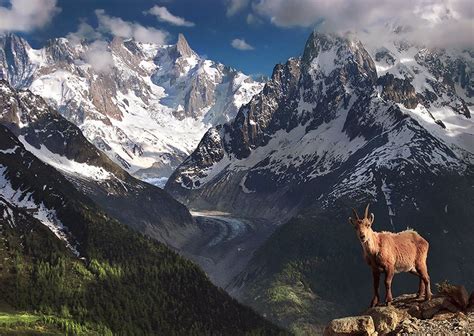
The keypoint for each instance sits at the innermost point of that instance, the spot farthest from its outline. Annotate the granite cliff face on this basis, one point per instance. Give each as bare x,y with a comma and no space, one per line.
146,106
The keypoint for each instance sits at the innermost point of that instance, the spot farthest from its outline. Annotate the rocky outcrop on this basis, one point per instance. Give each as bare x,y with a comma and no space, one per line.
398,90
449,312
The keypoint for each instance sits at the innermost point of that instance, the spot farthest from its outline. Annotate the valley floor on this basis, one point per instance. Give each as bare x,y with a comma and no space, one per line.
226,244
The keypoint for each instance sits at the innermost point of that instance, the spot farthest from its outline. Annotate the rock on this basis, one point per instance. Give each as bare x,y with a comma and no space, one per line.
443,315
438,316
431,307
461,297
471,302
357,325
387,318
448,305
415,312
458,294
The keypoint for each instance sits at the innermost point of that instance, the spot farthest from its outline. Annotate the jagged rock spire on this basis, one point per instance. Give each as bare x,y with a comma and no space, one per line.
182,46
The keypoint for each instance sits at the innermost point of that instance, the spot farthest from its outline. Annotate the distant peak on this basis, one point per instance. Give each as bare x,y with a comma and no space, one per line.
319,42
182,46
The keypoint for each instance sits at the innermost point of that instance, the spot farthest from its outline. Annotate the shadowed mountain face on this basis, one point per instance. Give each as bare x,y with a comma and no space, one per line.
58,142
62,254
340,127
146,107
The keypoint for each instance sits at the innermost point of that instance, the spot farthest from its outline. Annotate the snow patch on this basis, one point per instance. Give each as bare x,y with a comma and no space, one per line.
63,164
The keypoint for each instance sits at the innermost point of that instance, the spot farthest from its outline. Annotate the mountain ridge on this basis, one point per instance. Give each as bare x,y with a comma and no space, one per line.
355,88
59,143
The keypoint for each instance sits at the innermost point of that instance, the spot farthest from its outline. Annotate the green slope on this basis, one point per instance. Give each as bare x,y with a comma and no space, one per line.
24,323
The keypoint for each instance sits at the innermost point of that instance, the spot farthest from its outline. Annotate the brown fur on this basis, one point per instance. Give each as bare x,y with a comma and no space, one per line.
390,253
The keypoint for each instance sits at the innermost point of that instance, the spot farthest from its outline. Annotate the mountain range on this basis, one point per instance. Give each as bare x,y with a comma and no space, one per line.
270,171
146,106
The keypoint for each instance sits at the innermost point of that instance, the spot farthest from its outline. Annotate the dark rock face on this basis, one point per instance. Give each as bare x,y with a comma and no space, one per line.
384,55
14,60
398,90
452,84
142,206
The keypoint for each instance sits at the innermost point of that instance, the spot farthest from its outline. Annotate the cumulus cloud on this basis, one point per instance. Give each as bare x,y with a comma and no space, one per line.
99,57
240,44
126,29
235,6
26,15
435,22
163,15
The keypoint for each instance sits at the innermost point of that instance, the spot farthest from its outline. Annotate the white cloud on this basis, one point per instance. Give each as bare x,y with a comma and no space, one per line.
240,44
26,15
235,6
99,56
436,22
84,32
163,15
126,29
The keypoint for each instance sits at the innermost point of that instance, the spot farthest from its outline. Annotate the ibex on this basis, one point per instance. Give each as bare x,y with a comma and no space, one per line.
390,253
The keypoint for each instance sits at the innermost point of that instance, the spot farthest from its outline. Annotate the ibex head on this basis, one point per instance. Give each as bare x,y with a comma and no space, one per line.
363,226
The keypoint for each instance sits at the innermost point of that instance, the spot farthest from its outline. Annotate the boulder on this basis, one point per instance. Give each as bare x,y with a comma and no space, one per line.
356,325
386,319
458,294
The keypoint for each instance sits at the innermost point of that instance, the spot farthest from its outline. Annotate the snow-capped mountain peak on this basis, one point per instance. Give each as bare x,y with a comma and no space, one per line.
144,105
335,121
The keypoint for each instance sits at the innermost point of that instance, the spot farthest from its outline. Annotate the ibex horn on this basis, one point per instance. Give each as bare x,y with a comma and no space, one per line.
355,213
366,214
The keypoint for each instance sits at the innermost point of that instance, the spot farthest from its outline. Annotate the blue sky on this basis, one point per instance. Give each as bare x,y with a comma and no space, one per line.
264,32
210,36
